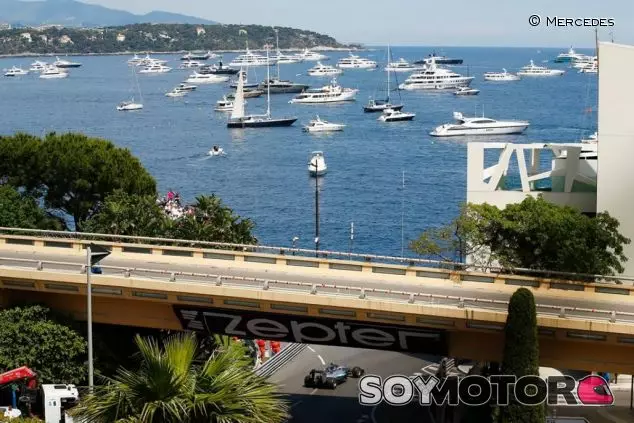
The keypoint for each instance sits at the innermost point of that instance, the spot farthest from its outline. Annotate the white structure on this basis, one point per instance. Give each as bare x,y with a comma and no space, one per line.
57,400
120,37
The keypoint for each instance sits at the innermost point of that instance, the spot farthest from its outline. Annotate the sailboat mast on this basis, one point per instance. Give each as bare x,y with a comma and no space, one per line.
388,73
596,44
277,43
268,84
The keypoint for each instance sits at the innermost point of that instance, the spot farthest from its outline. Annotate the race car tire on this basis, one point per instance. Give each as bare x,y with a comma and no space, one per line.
308,382
331,383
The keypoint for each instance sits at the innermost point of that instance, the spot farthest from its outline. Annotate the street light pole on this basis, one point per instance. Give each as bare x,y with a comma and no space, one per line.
89,318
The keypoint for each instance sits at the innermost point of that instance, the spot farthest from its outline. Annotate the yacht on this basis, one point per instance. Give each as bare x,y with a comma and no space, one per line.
356,62
439,60
53,72
218,69
401,66
155,68
435,78
534,70
284,59
583,61
317,164
176,92
150,61
251,59
186,87
318,125
332,93
594,138
64,64
199,56
128,106
209,78
570,56
224,105
279,86
216,151
381,105
479,126
16,71
38,66
590,68
310,56
466,91
135,60
191,64
391,115
500,76
324,70
245,81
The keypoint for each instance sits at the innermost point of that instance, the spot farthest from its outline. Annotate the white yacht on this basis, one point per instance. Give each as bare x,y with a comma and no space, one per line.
332,93
224,105
570,56
53,72
16,71
285,59
150,61
317,164
311,56
155,68
479,126
324,70
318,125
186,87
128,106
500,76
199,56
206,78
176,92
391,115
594,138
38,66
251,59
191,64
355,62
534,70
402,65
590,68
466,91
435,78
64,64
135,60
216,151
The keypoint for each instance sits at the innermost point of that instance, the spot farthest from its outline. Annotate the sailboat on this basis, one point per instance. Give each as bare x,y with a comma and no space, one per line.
381,105
127,106
278,86
238,118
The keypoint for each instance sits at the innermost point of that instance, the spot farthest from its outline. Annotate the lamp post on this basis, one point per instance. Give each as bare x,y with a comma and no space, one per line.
316,208
94,254
295,239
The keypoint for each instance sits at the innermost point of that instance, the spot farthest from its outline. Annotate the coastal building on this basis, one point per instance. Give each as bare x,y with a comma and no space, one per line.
200,31
120,37
65,39
505,173
4,26
26,36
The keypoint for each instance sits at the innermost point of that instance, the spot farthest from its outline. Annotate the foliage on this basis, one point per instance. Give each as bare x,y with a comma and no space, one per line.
533,234
20,162
157,37
22,211
30,337
21,420
170,387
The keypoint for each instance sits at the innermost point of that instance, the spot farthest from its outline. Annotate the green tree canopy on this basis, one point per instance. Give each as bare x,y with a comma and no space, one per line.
20,164
533,234
19,210
169,387
29,336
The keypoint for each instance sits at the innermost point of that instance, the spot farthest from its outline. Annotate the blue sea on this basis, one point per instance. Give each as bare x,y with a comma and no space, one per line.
392,180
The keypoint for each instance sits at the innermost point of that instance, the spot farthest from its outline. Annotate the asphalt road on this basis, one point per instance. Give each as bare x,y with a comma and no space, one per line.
356,279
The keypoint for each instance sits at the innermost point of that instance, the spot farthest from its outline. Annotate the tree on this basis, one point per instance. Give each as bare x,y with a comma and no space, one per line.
20,164
22,211
170,387
534,234
29,336
521,354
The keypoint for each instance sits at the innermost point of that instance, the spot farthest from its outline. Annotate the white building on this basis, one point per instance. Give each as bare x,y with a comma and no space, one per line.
200,31
120,37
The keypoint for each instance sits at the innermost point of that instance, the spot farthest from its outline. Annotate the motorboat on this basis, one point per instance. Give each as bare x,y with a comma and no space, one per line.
199,56
319,125
593,138
401,65
500,76
391,115
176,92
128,106
65,64
467,91
200,78
324,70
16,71
216,151
439,60
186,87
435,78
282,86
568,57
317,164
191,64
311,56
219,69
284,59
251,59
38,66
534,70
53,72
332,93
355,62
479,126
224,105
150,61
155,68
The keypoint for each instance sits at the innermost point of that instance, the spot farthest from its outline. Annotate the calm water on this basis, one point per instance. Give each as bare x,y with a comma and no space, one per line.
264,175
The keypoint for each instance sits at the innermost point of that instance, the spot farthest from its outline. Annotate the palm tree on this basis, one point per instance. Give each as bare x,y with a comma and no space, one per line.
170,387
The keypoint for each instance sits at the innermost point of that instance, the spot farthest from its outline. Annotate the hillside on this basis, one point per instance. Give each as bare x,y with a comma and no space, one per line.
159,37
74,13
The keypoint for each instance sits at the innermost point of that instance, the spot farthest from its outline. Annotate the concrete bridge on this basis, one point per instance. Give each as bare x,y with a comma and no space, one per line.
280,293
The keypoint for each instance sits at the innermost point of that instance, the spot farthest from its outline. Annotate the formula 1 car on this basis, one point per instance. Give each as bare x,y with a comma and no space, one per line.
331,376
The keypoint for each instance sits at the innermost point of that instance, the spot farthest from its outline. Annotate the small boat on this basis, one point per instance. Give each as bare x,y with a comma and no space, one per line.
401,66
127,106
200,78
391,115
186,87
176,92
466,91
500,76
53,72
318,125
64,64
216,151
191,64
224,105
317,164
356,62
38,66
332,93
534,70
16,71
479,126
155,68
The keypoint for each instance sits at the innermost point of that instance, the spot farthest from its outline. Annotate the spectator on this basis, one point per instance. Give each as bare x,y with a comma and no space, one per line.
276,346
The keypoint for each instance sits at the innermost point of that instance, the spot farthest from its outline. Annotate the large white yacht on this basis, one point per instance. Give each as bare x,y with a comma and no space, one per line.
500,76
332,93
355,62
311,56
38,66
479,126
402,65
324,70
435,78
155,68
319,125
570,56
53,72
16,71
533,70
251,59
206,78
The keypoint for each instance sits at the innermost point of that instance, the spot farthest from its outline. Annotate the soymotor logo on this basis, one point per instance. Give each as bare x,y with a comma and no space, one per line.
478,390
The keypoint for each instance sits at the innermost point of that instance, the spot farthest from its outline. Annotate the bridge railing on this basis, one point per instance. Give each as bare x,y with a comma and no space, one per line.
335,260
320,289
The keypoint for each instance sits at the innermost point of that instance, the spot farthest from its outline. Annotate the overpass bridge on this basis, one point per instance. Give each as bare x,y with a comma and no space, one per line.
276,293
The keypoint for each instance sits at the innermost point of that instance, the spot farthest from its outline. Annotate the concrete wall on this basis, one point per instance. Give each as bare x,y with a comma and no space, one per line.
615,189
